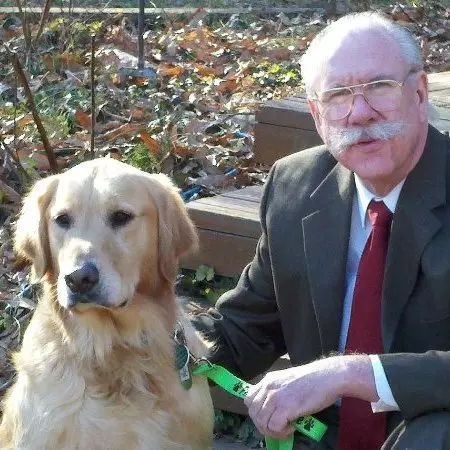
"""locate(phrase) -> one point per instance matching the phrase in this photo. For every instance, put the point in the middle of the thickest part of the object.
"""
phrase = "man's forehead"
(361, 57)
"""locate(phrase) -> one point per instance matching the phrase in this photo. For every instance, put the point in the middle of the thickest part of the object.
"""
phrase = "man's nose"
(361, 111)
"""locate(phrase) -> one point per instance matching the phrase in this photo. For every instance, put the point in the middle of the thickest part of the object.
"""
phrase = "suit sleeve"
(419, 381)
(245, 325)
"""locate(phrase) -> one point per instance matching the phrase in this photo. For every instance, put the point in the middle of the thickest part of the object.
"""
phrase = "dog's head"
(104, 231)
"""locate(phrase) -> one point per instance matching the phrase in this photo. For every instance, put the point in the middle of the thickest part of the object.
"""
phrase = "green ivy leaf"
(209, 273)
(274, 68)
(204, 273)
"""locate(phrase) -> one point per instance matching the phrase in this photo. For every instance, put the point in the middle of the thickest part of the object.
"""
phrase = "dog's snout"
(82, 280)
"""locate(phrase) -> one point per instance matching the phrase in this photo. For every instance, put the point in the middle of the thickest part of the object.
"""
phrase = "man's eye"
(335, 95)
(120, 218)
(63, 220)
(384, 85)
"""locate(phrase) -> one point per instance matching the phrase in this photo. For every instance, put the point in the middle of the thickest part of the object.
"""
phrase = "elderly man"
(351, 275)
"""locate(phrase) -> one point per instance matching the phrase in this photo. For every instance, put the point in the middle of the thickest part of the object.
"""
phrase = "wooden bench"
(283, 127)
(286, 126)
(228, 224)
(229, 229)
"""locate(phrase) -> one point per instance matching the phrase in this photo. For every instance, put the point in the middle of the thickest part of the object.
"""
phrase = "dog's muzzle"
(83, 284)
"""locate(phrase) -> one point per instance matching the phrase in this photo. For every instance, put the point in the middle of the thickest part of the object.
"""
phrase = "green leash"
(307, 425)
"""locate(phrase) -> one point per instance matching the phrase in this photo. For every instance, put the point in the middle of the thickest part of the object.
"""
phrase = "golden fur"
(99, 374)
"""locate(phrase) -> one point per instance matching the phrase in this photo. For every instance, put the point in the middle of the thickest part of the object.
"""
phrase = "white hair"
(325, 42)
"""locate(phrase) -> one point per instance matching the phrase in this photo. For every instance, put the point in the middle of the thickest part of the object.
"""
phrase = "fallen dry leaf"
(127, 129)
(152, 144)
(83, 119)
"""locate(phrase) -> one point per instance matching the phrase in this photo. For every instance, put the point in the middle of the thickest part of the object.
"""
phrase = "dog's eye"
(63, 220)
(120, 218)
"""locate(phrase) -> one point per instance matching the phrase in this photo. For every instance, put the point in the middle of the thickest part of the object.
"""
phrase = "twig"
(10, 192)
(92, 95)
(25, 27)
(44, 18)
(16, 160)
(116, 116)
(37, 120)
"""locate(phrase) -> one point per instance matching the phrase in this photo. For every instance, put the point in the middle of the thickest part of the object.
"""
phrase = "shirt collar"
(365, 197)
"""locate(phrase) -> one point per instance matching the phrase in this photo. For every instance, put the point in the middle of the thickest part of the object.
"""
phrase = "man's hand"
(285, 395)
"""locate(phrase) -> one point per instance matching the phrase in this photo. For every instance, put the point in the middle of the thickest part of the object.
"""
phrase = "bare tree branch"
(25, 26)
(37, 120)
(92, 96)
(44, 19)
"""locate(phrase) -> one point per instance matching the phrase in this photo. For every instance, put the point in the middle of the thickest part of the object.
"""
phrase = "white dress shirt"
(359, 233)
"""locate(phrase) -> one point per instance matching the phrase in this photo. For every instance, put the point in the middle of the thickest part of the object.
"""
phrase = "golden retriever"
(97, 368)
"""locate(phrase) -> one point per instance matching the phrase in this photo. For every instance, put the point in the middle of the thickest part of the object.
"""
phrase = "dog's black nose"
(83, 279)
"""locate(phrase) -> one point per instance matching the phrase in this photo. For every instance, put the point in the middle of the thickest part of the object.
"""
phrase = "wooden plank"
(227, 253)
(235, 212)
(229, 229)
(439, 81)
(439, 94)
(290, 112)
(441, 97)
(243, 221)
(226, 221)
(272, 142)
(286, 126)
(251, 193)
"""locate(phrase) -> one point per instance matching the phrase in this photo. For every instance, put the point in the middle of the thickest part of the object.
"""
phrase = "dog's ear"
(31, 237)
(177, 234)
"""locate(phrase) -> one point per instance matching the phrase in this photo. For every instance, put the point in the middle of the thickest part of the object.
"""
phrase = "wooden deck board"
(228, 224)
(439, 81)
(228, 227)
(286, 126)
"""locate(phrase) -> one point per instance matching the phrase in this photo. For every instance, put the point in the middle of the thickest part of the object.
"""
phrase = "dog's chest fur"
(127, 399)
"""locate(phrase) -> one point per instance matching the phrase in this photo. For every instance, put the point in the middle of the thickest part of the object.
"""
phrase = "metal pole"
(141, 35)
(93, 107)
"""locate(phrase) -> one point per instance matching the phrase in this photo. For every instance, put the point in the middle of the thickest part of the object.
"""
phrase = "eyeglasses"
(381, 95)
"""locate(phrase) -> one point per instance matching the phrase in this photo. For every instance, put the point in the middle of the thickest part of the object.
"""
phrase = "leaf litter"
(189, 113)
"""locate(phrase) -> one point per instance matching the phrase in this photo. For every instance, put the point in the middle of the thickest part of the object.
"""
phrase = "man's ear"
(422, 95)
(31, 236)
(177, 233)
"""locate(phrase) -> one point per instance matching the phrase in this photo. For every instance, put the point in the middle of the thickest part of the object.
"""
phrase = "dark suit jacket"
(289, 298)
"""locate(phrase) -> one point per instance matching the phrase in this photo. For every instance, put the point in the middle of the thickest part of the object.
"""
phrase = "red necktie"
(360, 428)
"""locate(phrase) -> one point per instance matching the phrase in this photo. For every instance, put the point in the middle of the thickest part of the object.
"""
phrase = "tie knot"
(379, 214)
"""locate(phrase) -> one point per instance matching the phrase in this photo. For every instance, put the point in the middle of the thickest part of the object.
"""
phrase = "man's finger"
(279, 424)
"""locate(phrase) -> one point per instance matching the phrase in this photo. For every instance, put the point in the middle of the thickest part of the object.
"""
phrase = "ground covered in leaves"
(188, 113)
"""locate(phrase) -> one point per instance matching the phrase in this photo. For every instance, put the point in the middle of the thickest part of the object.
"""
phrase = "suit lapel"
(414, 224)
(326, 233)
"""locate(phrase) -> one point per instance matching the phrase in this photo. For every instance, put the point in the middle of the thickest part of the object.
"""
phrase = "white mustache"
(339, 139)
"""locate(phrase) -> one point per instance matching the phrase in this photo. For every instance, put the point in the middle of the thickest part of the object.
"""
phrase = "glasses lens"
(335, 104)
(383, 95)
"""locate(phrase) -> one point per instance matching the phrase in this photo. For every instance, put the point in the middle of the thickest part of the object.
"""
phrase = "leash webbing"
(306, 425)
